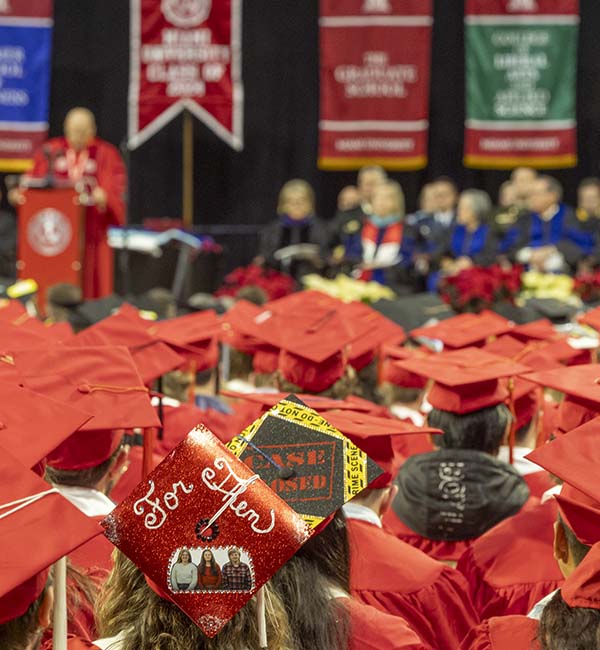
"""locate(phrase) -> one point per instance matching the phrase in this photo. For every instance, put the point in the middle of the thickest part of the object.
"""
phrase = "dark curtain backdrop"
(280, 69)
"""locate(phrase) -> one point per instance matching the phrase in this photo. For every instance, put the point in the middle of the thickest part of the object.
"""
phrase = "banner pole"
(188, 170)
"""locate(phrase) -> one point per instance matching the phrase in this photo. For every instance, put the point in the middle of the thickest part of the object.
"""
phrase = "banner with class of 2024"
(25, 62)
(186, 55)
(375, 65)
(521, 66)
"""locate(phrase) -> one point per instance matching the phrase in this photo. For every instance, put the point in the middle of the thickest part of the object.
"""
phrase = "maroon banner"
(186, 54)
(375, 61)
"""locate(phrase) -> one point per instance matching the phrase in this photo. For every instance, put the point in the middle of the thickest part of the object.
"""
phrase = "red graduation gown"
(104, 164)
(401, 580)
(504, 633)
(512, 567)
(371, 629)
(437, 549)
(75, 643)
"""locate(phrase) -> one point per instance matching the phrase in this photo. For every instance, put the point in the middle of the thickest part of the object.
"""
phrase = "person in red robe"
(81, 158)
(386, 572)
(498, 566)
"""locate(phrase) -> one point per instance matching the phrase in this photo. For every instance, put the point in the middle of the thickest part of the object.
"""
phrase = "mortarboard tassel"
(59, 624)
(262, 619)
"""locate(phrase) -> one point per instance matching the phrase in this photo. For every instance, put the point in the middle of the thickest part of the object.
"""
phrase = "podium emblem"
(49, 232)
(186, 13)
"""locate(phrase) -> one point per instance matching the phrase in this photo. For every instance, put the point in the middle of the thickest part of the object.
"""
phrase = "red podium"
(50, 238)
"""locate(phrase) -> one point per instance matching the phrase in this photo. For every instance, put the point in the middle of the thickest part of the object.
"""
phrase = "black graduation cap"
(93, 311)
(557, 311)
(519, 315)
(304, 459)
(414, 311)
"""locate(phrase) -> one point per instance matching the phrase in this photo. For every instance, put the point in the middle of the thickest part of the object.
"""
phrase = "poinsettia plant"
(273, 283)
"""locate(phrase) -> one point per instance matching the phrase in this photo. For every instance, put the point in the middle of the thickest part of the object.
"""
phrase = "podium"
(50, 238)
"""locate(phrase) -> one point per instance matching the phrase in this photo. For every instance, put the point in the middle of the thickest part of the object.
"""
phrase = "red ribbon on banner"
(375, 63)
(186, 54)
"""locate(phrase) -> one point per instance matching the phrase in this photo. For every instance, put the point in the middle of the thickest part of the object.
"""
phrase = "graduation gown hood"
(457, 494)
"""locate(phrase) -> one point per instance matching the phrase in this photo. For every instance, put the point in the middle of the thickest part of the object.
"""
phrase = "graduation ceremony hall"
(299, 325)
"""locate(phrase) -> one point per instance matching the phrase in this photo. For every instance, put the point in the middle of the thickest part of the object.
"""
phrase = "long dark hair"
(568, 628)
(304, 584)
(214, 567)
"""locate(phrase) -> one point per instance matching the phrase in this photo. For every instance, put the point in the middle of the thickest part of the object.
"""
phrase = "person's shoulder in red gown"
(512, 566)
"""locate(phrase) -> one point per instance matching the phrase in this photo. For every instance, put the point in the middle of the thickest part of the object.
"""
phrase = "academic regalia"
(285, 232)
(381, 240)
(512, 566)
(371, 629)
(504, 633)
(101, 163)
(563, 231)
(461, 242)
(76, 643)
(392, 576)
(344, 232)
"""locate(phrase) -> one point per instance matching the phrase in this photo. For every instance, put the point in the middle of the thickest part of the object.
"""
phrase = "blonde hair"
(128, 605)
(295, 185)
(394, 185)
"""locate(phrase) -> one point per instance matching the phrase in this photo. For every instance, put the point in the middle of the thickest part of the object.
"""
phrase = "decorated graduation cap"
(37, 527)
(582, 587)
(304, 459)
(202, 498)
(465, 380)
(152, 358)
(575, 458)
(465, 330)
(378, 437)
(32, 425)
(581, 385)
(102, 381)
(391, 372)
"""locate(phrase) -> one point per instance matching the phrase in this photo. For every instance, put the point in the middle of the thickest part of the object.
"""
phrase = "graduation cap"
(581, 385)
(201, 497)
(317, 402)
(93, 311)
(11, 310)
(465, 380)
(234, 327)
(152, 358)
(378, 438)
(374, 330)
(537, 330)
(414, 311)
(591, 318)
(574, 458)
(304, 459)
(32, 425)
(582, 587)
(37, 527)
(555, 310)
(465, 330)
(102, 381)
(193, 336)
(391, 372)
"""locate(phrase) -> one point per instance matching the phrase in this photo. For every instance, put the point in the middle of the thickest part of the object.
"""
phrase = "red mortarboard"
(466, 380)
(391, 372)
(268, 400)
(234, 325)
(37, 527)
(591, 318)
(266, 360)
(582, 587)
(200, 498)
(465, 329)
(193, 336)
(575, 458)
(537, 330)
(152, 358)
(376, 436)
(102, 381)
(11, 310)
(306, 460)
(380, 330)
(32, 425)
(581, 385)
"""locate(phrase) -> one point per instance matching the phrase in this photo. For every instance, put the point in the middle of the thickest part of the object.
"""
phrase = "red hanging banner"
(375, 61)
(186, 54)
